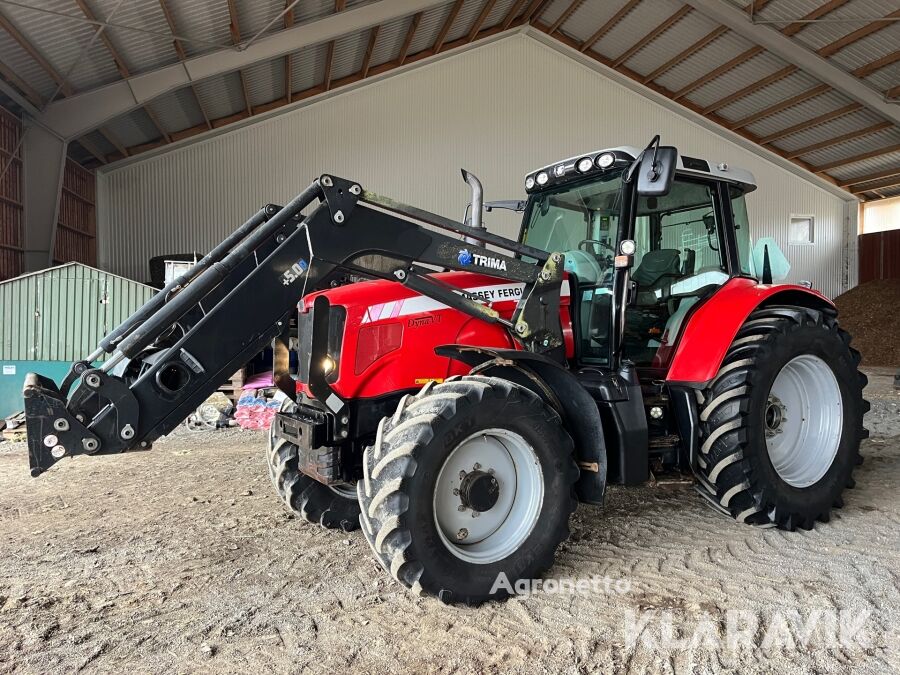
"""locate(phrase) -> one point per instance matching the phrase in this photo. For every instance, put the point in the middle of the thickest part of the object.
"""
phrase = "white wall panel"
(499, 110)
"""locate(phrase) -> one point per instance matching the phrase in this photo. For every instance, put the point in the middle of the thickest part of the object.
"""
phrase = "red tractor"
(459, 416)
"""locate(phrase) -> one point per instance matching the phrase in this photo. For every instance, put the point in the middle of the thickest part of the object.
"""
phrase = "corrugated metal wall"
(60, 314)
(11, 223)
(499, 110)
(76, 232)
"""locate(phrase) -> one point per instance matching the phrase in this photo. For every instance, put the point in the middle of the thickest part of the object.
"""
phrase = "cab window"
(741, 229)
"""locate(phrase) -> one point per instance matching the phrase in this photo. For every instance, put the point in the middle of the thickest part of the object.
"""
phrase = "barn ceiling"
(814, 81)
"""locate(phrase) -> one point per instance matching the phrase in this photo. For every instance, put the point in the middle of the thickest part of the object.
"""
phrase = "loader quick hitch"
(57, 427)
(52, 432)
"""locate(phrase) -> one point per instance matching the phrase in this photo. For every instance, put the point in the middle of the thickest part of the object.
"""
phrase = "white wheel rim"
(803, 420)
(499, 531)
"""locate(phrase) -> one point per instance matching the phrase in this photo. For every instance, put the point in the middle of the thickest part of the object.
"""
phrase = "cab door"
(680, 259)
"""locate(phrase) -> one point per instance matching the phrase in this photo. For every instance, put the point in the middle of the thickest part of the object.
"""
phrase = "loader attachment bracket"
(53, 432)
(117, 409)
(341, 196)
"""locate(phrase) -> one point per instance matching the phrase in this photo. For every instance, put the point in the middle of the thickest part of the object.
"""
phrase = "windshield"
(582, 221)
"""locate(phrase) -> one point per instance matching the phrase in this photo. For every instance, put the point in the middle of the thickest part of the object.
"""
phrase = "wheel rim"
(345, 491)
(803, 420)
(498, 471)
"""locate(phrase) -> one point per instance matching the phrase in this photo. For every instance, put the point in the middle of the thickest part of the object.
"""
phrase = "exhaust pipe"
(477, 205)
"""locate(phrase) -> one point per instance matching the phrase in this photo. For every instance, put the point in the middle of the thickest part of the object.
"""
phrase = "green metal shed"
(53, 317)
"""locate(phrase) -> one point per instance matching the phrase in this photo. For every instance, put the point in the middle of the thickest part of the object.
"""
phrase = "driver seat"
(656, 270)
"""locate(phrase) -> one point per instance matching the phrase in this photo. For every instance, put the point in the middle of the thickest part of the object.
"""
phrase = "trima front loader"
(459, 415)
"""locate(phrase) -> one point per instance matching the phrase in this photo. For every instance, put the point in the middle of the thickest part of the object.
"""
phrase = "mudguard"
(562, 391)
(711, 328)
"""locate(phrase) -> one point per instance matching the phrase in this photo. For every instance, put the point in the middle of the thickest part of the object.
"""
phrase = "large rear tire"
(782, 421)
(467, 480)
(335, 508)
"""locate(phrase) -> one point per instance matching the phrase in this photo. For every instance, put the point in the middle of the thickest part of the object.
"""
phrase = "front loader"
(459, 392)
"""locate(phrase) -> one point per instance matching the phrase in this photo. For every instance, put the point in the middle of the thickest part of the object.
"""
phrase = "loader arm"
(178, 348)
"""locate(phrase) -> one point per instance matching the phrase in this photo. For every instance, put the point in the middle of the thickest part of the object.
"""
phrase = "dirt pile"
(871, 313)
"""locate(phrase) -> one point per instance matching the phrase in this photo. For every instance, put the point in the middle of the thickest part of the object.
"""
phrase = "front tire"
(782, 421)
(334, 508)
(467, 480)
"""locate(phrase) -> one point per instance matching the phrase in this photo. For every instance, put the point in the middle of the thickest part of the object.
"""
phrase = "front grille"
(337, 317)
(304, 334)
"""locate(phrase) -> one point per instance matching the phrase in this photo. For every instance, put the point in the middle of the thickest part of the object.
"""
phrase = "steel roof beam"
(567, 12)
(78, 114)
(652, 35)
(370, 50)
(792, 52)
(482, 16)
(513, 13)
(868, 178)
(235, 29)
(182, 56)
(880, 185)
(445, 28)
(837, 140)
(846, 161)
(121, 66)
(608, 26)
(339, 6)
(410, 34)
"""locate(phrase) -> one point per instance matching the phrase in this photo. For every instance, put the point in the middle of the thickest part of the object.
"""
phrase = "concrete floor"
(182, 559)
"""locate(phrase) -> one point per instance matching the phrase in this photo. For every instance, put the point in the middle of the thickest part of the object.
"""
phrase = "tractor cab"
(662, 248)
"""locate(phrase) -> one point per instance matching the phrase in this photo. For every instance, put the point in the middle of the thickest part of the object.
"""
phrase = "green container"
(12, 375)
(51, 318)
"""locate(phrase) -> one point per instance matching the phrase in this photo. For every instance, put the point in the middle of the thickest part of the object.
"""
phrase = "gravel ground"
(183, 560)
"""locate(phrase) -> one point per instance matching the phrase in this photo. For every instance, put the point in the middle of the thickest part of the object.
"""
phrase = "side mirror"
(657, 171)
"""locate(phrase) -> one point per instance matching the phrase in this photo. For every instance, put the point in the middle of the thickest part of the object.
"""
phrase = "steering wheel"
(595, 243)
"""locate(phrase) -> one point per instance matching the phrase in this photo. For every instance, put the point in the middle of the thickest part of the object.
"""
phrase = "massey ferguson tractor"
(458, 392)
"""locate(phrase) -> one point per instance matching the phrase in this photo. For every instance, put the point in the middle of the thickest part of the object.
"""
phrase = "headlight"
(605, 160)
(585, 164)
(529, 183)
(542, 178)
(627, 247)
(328, 365)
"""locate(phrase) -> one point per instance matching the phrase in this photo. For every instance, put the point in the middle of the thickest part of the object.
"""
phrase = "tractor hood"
(389, 331)
(374, 296)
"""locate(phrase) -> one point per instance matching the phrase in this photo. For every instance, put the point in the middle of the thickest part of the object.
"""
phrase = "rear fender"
(711, 329)
(562, 392)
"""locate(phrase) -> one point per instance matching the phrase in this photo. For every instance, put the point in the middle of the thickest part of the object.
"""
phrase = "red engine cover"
(406, 327)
